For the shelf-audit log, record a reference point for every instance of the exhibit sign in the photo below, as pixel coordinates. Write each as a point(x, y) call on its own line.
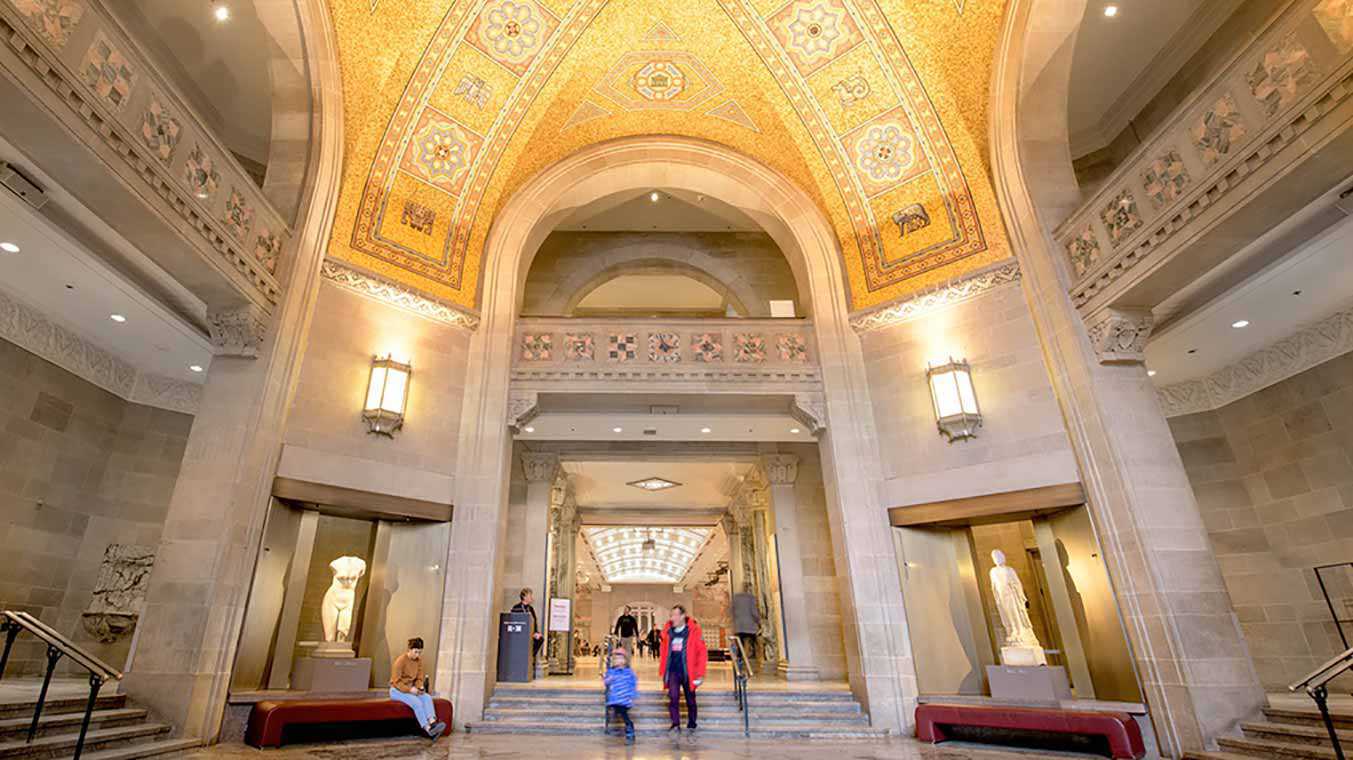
point(561, 617)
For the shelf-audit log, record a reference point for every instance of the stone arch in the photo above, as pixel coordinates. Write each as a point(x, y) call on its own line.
point(293, 106)
point(573, 290)
point(865, 555)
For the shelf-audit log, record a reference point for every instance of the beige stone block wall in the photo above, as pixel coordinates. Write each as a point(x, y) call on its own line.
point(822, 588)
point(1273, 476)
point(80, 468)
point(1022, 442)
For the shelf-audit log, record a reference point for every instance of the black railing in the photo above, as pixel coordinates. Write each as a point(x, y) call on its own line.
point(58, 646)
point(1316, 686)
point(742, 671)
point(1320, 572)
point(604, 662)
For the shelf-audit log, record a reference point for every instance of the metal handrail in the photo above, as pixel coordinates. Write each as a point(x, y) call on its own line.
point(58, 646)
point(603, 661)
point(1316, 686)
point(742, 670)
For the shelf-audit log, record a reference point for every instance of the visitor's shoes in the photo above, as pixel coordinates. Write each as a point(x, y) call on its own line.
point(674, 729)
point(629, 737)
point(437, 730)
point(690, 728)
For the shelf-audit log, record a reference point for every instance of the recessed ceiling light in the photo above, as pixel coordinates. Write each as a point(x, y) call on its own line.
point(195, 367)
point(1150, 373)
point(117, 318)
point(1239, 323)
point(529, 429)
point(222, 12)
point(9, 248)
point(706, 430)
point(617, 430)
point(795, 431)
point(653, 196)
point(1111, 11)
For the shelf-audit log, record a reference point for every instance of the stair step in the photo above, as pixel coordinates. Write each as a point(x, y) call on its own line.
point(662, 716)
point(1209, 755)
point(792, 730)
point(18, 727)
point(61, 744)
point(1292, 732)
point(1307, 716)
point(60, 705)
point(592, 706)
point(1273, 750)
point(142, 749)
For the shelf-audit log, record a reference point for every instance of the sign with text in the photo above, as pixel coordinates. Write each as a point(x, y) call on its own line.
point(561, 617)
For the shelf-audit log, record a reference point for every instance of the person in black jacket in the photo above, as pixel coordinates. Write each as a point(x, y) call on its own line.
point(526, 597)
point(627, 628)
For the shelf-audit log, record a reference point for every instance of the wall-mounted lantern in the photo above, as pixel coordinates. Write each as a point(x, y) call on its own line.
point(386, 393)
point(956, 410)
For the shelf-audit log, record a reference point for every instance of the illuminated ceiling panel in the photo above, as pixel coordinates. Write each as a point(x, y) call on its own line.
point(646, 555)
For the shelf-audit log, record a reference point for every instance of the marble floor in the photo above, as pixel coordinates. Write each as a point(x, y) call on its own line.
point(495, 746)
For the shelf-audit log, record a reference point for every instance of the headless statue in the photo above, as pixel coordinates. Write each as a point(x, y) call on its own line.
point(340, 601)
point(1021, 646)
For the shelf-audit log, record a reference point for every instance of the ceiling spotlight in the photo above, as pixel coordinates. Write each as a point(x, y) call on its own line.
point(195, 367)
point(1110, 11)
point(1239, 323)
point(221, 12)
point(706, 430)
point(617, 430)
point(1150, 373)
point(795, 431)
point(117, 318)
point(653, 196)
point(529, 429)
point(9, 248)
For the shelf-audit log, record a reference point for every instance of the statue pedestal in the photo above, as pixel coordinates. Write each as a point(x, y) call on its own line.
point(1023, 657)
point(1044, 685)
point(332, 675)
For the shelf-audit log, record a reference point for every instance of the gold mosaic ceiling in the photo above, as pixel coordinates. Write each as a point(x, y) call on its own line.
point(876, 108)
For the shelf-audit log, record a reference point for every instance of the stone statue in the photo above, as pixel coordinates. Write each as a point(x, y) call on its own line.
point(1021, 646)
point(339, 603)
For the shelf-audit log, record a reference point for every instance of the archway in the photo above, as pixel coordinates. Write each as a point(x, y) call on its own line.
point(863, 553)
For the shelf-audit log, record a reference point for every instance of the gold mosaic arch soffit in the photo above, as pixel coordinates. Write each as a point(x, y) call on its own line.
point(876, 108)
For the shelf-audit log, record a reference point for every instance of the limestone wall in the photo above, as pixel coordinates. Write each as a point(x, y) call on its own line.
point(80, 468)
point(821, 586)
point(1273, 476)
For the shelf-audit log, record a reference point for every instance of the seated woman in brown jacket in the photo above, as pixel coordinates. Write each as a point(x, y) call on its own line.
point(406, 685)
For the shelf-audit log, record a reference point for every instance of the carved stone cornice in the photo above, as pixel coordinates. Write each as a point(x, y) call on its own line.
point(398, 296)
point(238, 331)
point(967, 288)
point(810, 409)
point(539, 466)
point(1119, 335)
point(781, 469)
point(522, 407)
point(1314, 344)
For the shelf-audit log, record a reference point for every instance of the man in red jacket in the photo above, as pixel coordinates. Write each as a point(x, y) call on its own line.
point(682, 666)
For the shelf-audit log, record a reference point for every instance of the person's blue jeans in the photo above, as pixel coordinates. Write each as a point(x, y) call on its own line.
point(421, 704)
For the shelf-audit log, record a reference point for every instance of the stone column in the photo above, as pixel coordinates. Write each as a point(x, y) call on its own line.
point(732, 530)
point(541, 471)
point(798, 665)
point(563, 579)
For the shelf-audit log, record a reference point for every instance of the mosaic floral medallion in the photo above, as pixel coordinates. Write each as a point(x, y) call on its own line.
point(536, 348)
point(267, 249)
point(707, 347)
point(885, 152)
point(1083, 250)
point(239, 215)
point(578, 347)
point(1219, 129)
point(814, 32)
point(1165, 179)
point(1121, 217)
point(199, 173)
point(792, 349)
point(659, 80)
point(512, 32)
point(664, 347)
point(622, 348)
point(159, 131)
point(54, 20)
point(749, 348)
point(107, 72)
point(1281, 74)
point(1336, 18)
point(440, 152)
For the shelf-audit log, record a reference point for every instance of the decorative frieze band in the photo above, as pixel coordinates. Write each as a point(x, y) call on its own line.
point(30, 330)
point(958, 291)
point(394, 295)
point(1312, 345)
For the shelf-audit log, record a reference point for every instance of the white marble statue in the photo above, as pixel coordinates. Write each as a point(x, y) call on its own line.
point(341, 599)
point(1021, 645)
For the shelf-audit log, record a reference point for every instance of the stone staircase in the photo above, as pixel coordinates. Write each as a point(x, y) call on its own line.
point(1284, 734)
point(117, 731)
point(775, 714)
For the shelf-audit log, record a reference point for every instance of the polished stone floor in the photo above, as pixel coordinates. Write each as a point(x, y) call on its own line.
point(494, 746)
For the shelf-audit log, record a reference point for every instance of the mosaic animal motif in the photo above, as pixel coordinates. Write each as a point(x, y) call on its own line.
point(418, 217)
point(911, 219)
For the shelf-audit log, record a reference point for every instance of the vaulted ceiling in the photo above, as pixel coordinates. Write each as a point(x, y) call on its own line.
point(875, 108)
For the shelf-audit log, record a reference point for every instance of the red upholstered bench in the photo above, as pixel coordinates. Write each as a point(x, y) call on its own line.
point(269, 719)
point(1121, 731)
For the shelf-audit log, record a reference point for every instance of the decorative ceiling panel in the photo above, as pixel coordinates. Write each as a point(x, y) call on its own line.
point(646, 555)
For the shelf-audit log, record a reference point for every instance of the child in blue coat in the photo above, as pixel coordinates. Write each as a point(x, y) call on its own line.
point(622, 686)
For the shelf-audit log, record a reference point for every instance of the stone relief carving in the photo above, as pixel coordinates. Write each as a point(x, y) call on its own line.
point(962, 290)
point(810, 409)
point(522, 407)
point(238, 331)
point(119, 591)
point(394, 295)
point(540, 467)
point(167, 393)
point(781, 469)
point(1119, 335)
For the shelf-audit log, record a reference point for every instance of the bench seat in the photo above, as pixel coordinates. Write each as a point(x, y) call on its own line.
point(270, 719)
point(1123, 735)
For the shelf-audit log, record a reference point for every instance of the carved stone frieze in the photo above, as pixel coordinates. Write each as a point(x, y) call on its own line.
point(238, 331)
point(1119, 335)
point(394, 295)
point(949, 294)
point(119, 591)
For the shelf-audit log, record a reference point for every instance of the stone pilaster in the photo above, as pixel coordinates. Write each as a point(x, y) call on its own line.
point(542, 469)
point(798, 664)
point(563, 577)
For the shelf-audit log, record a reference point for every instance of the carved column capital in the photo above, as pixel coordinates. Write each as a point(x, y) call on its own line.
point(237, 331)
point(522, 407)
point(1119, 335)
point(540, 467)
point(781, 469)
